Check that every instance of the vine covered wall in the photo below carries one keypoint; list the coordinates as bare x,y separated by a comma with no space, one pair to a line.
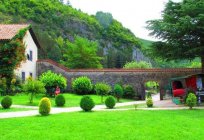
12,53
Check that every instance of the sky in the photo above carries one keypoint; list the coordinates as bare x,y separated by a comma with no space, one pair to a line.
133,14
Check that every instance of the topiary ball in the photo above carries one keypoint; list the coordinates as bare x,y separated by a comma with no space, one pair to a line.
87,103
191,100
44,106
82,85
110,102
149,102
6,102
60,100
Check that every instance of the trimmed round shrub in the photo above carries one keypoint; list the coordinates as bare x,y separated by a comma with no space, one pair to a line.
102,89
191,100
110,102
149,102
82,85
87,103
128,91
44,106
6,102
60,100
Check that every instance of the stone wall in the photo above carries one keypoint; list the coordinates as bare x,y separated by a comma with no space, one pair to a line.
136,77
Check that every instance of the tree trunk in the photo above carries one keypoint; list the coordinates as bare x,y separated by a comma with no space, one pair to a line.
102,99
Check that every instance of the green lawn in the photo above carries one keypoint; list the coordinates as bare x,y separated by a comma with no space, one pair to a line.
133,106
71,99
13,109
120,125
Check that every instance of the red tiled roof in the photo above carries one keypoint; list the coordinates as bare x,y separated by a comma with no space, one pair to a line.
8,31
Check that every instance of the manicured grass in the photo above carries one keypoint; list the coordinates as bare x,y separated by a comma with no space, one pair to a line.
120,125
13,109
71,99
132,106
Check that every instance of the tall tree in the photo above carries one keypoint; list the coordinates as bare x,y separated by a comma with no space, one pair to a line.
81,53
181,30
105,19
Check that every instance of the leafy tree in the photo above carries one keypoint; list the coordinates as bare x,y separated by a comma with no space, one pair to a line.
181,30
118,91
33,87
134,64
102,89
81,53
105,19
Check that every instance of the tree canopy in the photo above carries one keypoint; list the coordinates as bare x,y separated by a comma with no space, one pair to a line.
81,53
181,31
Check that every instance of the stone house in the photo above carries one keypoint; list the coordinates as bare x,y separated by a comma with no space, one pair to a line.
27,68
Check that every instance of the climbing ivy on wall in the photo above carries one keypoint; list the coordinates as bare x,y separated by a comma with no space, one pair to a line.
12,53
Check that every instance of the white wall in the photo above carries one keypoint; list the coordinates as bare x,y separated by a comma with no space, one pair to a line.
28,66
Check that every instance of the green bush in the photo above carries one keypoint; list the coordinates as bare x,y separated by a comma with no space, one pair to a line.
60,100
191,100
3,86
128,91
82,85
110,102
149,102
135,64
44,106
148,94
118,91
52,80
33,87
87,103
102,89
6,102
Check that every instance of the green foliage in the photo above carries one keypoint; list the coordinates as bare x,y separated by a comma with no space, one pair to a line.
66,22
60,100
149,102
81,53
6,102
87,103
110,102
44,106
33,87
105,19
148,94
195,64
128,92
151,84
12,53
102,89
191,100
3,86
52,80
181,29
134,64
118,91
82,85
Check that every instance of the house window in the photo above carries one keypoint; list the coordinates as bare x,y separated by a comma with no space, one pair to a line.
31,74
31,55
28,57
23,76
